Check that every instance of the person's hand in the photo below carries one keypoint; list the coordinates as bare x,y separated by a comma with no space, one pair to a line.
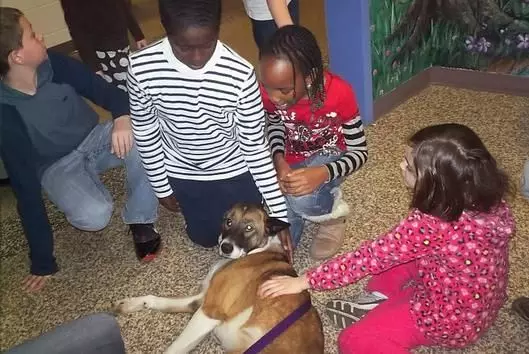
141,44
303,181
34,283
283,285
282,169
286,242
170,203
122,138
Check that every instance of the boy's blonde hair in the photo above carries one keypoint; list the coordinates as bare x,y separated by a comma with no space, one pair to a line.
10,36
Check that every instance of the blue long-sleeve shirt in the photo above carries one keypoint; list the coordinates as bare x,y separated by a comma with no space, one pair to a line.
37,130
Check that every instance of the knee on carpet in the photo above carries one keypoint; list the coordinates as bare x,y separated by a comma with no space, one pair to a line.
92,218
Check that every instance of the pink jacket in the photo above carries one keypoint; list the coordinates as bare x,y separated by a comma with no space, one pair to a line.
463,267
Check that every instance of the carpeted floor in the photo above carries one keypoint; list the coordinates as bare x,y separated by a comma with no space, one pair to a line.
101,267
98,268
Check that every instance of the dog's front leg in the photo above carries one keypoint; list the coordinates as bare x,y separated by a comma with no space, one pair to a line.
198,327
162,304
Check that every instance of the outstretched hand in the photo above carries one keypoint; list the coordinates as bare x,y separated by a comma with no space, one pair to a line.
283,285
34,283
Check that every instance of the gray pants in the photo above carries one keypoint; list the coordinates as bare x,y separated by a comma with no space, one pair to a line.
91,334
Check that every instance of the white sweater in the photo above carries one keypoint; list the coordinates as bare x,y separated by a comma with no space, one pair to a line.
202,125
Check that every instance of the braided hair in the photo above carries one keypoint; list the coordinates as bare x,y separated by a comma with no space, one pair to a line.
177,15
299,46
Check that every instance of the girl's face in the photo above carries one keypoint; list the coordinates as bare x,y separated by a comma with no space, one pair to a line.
409,174
277,77
194,46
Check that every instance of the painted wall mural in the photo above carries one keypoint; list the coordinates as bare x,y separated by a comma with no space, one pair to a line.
408,36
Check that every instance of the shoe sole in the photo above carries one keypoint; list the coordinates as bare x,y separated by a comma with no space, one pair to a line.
150,256
345,313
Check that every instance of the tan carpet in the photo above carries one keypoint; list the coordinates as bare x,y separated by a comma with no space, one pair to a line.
101,267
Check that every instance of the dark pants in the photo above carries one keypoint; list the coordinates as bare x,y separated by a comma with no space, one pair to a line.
204,203
263,30
91,334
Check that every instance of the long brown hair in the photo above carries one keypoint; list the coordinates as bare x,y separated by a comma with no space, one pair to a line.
455,172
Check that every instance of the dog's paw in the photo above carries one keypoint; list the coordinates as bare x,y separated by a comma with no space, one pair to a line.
131,304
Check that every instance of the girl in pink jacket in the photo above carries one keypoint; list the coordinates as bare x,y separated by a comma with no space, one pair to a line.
439,277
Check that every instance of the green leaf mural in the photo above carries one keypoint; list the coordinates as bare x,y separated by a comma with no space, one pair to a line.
408,36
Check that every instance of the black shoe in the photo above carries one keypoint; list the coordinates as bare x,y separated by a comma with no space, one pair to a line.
147,241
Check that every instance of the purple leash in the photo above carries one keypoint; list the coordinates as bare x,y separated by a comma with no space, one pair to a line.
281,327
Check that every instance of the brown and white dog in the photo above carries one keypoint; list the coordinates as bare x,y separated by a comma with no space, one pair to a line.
228,304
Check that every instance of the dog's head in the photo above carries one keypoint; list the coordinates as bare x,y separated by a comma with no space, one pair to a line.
247,227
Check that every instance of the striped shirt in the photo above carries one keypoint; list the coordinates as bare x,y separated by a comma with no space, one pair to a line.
299,131
201,125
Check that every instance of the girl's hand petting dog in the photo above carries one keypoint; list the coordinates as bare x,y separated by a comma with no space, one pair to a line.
283,285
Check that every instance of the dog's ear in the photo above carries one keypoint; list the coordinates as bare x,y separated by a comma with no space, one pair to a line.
274,226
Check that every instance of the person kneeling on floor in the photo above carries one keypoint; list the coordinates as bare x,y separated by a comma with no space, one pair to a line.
50,139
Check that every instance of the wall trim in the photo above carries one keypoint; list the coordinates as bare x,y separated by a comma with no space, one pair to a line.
452,77
436,75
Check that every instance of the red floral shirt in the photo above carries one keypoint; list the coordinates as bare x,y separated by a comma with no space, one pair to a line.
463,267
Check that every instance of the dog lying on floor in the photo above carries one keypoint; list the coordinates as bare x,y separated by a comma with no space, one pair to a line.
228,303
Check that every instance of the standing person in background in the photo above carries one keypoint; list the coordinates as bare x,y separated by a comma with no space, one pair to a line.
99,29
269,15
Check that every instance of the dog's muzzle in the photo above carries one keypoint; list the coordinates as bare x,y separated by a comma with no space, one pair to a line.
229,250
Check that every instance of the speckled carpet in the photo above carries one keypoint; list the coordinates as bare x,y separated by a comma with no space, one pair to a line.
97,268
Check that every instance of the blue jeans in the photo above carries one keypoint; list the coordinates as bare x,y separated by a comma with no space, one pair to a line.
91,334
318,203
263,30
73,184
525,180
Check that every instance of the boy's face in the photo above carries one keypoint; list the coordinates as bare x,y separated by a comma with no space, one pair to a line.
33,51
194,46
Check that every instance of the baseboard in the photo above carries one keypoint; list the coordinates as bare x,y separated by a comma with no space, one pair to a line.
458,78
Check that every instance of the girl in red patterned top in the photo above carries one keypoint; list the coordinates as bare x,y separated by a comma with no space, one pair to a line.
315,132
439,277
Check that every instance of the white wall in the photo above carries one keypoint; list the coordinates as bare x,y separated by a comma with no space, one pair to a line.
46,16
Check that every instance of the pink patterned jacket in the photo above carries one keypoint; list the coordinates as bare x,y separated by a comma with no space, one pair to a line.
463,269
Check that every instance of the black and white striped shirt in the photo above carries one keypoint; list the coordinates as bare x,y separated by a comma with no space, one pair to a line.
202,125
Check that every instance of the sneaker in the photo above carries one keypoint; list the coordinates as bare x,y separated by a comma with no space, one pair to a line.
147,241
344,313
521,307
328,239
